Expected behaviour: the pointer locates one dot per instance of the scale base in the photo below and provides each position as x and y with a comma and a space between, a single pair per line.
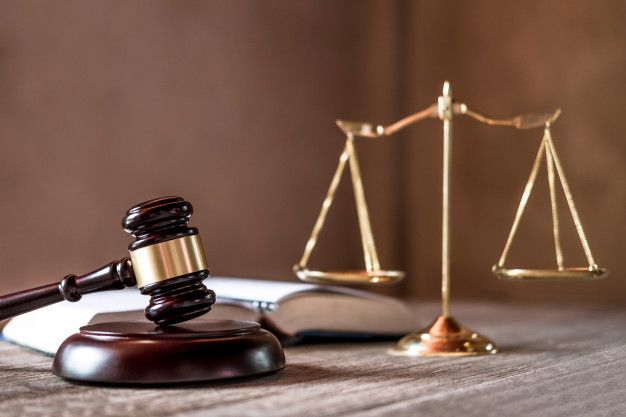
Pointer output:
444, 337
138, 353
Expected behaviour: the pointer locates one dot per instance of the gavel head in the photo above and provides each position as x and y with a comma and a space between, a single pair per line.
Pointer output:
168, 260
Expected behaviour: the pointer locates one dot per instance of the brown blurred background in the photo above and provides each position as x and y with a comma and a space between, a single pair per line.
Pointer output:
231, 104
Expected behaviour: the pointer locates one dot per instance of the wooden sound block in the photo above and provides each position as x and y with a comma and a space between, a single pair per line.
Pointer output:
137, 352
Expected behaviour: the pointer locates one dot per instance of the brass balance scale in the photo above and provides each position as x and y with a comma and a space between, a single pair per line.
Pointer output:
445, 336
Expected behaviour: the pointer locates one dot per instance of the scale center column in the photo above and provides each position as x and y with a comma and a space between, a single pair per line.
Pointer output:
445, 336
444, 110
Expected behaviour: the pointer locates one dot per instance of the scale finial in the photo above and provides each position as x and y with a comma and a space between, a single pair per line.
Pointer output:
447, 90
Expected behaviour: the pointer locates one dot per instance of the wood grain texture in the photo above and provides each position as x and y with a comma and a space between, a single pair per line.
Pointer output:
555, 361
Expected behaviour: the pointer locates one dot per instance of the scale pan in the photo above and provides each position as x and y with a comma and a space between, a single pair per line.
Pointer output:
349, 277
566, 274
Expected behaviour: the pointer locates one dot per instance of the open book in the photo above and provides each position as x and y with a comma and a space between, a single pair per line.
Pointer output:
294, 312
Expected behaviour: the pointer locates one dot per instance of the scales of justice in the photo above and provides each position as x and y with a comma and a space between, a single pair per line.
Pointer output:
445, 336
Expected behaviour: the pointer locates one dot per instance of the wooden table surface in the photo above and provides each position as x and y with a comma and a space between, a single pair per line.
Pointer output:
554, 361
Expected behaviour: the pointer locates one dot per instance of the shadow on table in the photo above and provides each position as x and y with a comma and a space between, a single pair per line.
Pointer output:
291, 375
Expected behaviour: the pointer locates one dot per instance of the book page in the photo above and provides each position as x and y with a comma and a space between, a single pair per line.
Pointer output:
274, 292
254, 289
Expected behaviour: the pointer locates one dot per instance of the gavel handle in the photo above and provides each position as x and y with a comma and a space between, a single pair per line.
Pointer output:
113, 276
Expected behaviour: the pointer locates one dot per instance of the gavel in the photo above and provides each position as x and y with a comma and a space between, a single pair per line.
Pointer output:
166, 262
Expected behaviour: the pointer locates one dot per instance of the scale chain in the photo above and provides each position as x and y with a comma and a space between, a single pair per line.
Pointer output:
554, 206
524, 200
328, 201
552, 161
570, 202
367, 237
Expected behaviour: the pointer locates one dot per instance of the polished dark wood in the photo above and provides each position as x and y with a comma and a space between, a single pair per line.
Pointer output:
112, 276
158, 220
140, 353
177, 299
171, 301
